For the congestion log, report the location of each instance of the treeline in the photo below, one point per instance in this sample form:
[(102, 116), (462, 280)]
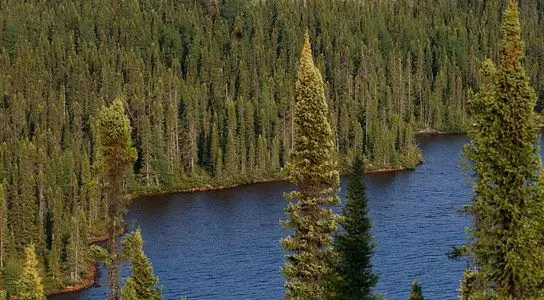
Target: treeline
[(209, 88)]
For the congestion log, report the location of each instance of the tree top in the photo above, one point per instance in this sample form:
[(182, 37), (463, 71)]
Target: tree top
[(511, 44)]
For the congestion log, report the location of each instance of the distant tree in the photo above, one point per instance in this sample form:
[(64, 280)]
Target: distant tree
[(76, 252), (29, 286), (117, 156), (416, 293), (23, 209), (230, 157), (142, 282), (3, 224), (354, 244), (313, 169), (507, 240)]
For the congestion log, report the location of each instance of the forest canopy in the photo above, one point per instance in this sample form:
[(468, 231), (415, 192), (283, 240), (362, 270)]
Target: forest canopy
[(209, 89)]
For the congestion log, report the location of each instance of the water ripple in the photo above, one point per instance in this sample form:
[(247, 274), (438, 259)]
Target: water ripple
[(225, 244)]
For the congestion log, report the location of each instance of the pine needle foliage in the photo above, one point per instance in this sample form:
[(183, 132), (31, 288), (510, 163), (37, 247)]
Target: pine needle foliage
[(312, 168), (507, 239), (30, 286), (415, 292), (142, 283), (128, 291), (117, 155), (354, 244)]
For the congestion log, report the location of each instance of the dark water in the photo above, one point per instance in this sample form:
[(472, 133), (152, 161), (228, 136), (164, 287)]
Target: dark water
[(225, 244)]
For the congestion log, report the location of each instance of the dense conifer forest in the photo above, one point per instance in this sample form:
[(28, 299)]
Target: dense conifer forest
[(209, 88)]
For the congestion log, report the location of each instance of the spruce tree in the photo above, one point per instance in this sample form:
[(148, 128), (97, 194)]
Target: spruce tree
[(29, 286), (142, 282), (416, 293), (313, 169), (506, 243), (354, 244), (117, 155), (3, 224), (128, 291)]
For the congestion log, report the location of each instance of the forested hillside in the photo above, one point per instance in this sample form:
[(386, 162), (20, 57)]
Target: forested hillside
[(209, 88)]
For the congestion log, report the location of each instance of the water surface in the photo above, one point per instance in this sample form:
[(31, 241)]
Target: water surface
[(225, 244)]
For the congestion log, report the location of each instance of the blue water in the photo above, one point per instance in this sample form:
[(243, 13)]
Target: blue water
[(225, 244)]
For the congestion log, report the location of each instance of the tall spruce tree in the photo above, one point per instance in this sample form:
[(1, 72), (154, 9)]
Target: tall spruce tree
[(507, 241), (117, 155), (415, 292), (142, 283), (354, 244), (29, 286), (312, 168)]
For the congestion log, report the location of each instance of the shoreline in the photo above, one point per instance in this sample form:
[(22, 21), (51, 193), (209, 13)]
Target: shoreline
[(87, 282), (429, 132), (391, 170), (92, 278), (208, 188), (212, 188)]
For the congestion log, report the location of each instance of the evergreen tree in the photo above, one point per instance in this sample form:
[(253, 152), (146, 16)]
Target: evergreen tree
[(147, 174), (23, 214), (29, 286), (507, 241), (117, 156), (76, 254), (3, 225), (416, 293), (354, 245), (231, 158), (184, 65), (313, 169), (142, 282), (128, 291)]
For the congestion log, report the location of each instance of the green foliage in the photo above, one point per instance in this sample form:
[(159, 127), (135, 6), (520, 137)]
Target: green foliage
[(76, 248), (100, 254), (117, 156), (506, 243), (354, 244), (415, 292), (23, 213), (313, 169), (115, 138), (128, 291), (11, 274), (474, 286), (209, 87), (3, 226), (142, 283), (29, 286)]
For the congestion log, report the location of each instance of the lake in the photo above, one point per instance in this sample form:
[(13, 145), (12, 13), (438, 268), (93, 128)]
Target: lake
[(225, 244)]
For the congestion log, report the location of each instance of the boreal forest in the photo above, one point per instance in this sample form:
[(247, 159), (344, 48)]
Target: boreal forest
[(209, 89)]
